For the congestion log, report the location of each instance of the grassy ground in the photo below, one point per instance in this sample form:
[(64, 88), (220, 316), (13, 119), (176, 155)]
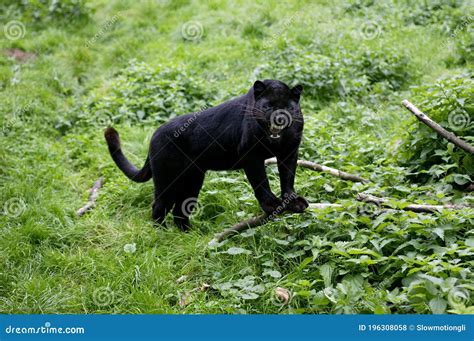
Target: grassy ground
[(137, 63)]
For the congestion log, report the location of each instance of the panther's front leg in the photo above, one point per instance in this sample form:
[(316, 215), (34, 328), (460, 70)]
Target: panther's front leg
[(287, 170), (269, 202)]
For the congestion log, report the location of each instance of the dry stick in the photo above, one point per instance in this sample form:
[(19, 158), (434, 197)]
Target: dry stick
[(92, 197), (436, 127), (320, 168), (412, 207), (258, 221)]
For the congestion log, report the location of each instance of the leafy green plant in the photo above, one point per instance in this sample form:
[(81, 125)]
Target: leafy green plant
[(465, 46), (359, 258), (49, 11), (141, 93), (329, 74), (450, 103), (423, 13)]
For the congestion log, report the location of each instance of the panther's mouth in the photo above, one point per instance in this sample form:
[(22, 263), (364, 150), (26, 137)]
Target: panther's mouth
[(279, 120)]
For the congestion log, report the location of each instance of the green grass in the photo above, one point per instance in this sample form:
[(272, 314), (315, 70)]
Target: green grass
[(351, 260)]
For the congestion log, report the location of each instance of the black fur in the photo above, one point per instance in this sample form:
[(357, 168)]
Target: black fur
[(238, 134)]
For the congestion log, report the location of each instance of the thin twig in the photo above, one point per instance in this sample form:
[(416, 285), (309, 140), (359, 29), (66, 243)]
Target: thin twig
[(437, 128), (325, 169), (92, 197)]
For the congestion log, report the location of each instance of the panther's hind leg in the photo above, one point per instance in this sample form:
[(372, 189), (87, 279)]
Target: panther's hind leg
[(160, 210), (164, 199), (186, 201)]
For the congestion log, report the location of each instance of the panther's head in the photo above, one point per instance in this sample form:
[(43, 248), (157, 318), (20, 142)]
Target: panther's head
[(276, 105)]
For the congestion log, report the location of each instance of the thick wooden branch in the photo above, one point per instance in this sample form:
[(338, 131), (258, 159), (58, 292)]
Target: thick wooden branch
[(436, 127), (385, 202), (258, 221), (92, 197), (242, 226), (320, 168), (412, 207)]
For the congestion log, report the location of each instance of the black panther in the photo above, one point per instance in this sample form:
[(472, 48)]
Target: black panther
[(238, 134)]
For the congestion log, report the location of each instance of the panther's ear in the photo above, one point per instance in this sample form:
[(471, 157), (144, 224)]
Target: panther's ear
[(296, 92), (258, 88)]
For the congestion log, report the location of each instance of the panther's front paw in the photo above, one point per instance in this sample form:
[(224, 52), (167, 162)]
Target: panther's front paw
[(272, 206), (297, 205)]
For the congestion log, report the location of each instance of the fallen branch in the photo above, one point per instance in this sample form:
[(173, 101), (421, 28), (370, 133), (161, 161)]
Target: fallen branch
[(412, 207), (385, 202), (320, 168), (436, 127), (239, 227), (258, 221), (92, 197)]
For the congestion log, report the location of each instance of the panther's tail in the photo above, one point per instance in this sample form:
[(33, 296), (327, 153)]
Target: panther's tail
[(137, 175)]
